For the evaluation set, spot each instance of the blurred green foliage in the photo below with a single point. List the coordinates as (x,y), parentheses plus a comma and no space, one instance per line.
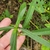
(5,14)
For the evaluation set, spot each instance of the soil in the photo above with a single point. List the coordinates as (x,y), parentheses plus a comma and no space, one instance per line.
(13,7)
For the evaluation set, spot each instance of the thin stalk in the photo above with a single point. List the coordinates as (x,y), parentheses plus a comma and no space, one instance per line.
(47,21)
(34,25)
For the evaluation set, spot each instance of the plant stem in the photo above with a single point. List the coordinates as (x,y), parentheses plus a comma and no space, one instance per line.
(34,25)
(47,21)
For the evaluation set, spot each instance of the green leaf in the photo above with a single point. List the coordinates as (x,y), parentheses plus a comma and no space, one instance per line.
(44,31)
(22,7)
(6,28)
(36,37)
(15,31)
(21,13)
(47,25)
(39,5)
(29,15)
(13,40)
(7,13)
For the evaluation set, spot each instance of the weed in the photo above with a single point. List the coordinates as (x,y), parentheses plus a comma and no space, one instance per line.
(36,5)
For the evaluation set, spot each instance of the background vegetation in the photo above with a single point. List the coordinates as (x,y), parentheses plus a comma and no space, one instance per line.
(34,16)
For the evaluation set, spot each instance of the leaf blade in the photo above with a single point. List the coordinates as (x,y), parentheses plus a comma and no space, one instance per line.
(44,31)
(13,40)
(29,15)
(21,13)
(36,38)
(5,28)
(14,34)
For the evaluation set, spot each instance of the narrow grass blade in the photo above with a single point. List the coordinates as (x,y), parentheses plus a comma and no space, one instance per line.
(6,28)
(21,13)
(13,40)
(44,31)
(15,31)
(36,37)
(29,15)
